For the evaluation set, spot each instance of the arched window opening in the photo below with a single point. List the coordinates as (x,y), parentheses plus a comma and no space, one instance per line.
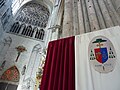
(18,29)
(40,34)
(12,28)
(23,31)
(15,28)
(33,15)
(28,31)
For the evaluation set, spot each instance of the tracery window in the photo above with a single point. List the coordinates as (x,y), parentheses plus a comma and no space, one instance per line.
(24,30)
(32,13)
(40,34)
(15,28)
(28,31)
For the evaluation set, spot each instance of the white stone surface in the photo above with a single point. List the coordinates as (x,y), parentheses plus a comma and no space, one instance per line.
(24,58)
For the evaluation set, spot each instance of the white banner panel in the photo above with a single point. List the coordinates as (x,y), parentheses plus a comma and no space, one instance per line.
(105,54)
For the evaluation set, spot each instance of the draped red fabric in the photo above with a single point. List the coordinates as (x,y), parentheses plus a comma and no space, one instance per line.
(59,70)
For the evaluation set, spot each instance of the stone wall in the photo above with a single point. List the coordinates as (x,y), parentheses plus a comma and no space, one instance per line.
(29,58)
(116,4)
(84,16)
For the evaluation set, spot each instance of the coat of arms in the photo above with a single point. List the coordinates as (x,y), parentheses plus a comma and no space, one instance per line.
(102,54)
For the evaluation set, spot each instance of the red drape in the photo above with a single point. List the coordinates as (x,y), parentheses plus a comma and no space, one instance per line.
(59,70)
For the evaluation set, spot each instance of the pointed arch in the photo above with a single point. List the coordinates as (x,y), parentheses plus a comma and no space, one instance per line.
(11,74)
(15,28)
(37,48)
(34,61)
(40,34)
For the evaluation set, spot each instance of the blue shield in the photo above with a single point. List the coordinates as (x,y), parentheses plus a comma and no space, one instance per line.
(101,54)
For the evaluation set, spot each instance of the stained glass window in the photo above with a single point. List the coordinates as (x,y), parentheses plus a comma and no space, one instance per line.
(11,74)
(35,12)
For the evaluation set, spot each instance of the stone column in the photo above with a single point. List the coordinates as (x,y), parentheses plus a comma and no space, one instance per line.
(99,15)
(92,15)
(116,4)
(85,17)
(80,17)
(105,13)
(114,15)
(67,20)
(75,18)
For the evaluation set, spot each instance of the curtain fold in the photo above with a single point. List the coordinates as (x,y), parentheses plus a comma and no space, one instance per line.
(59,70)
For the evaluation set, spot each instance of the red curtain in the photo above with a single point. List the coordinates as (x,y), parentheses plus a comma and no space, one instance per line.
(59,70)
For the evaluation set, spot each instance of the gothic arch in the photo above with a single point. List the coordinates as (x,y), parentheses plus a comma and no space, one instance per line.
(15,28)
(29,31)
(24,29)
(11,74)
(33,61)
(37,48)
(40,34)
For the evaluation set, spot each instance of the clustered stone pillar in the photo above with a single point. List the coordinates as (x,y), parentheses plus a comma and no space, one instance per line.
(83,16)
(67,20)
(116,4)
(96,15)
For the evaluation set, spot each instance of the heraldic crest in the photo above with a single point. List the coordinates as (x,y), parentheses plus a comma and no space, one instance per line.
(102,54)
